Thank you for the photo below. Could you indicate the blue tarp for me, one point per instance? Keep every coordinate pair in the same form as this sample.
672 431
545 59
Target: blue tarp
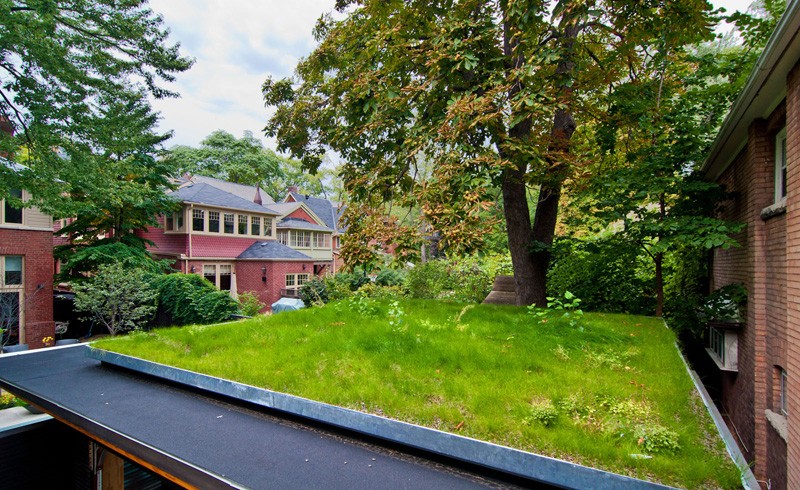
287 304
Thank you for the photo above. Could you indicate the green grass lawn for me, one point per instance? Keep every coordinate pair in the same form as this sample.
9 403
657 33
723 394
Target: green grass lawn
594 392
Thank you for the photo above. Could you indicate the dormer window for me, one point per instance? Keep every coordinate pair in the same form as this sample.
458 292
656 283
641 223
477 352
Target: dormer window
780 166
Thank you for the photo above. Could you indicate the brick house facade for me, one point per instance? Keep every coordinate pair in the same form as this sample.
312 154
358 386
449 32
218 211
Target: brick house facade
26 269
243 244
756 157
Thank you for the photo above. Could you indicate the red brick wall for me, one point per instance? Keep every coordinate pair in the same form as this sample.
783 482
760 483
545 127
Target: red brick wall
770 250
792 336
249 277
37 249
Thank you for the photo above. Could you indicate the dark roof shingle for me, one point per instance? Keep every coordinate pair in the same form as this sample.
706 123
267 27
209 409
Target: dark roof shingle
270 249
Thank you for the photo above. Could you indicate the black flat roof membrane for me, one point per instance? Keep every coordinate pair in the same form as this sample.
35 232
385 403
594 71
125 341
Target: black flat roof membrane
202 441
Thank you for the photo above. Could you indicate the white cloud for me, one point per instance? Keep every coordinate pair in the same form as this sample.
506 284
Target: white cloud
236 46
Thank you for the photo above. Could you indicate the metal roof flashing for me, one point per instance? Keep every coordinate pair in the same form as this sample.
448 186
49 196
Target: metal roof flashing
764 90
496 458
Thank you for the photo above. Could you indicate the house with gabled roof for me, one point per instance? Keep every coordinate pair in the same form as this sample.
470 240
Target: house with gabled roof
330 212
240 240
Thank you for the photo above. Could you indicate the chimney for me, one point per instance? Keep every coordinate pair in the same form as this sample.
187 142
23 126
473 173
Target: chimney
6 126
257 199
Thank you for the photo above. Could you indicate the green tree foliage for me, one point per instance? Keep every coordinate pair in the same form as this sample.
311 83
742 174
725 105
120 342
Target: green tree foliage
490 92
119 197
662 122
75 77
245 161
117 297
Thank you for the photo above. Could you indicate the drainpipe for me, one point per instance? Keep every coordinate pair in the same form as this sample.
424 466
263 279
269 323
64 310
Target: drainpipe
190 226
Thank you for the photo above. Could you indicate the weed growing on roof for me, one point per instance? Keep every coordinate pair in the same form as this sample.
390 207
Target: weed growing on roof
542 412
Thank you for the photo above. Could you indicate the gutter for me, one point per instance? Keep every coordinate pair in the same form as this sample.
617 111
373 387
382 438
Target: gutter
749 481
782 39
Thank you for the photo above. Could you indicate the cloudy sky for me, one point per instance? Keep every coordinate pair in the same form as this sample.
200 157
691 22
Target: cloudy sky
236 45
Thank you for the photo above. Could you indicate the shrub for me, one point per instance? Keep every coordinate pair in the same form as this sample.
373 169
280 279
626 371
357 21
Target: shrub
389 277
250 304
314 292
685 285
607 273
464 279
190 298
116 297
382 292
337 287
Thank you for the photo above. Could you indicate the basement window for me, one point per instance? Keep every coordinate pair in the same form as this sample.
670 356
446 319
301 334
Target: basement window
723 346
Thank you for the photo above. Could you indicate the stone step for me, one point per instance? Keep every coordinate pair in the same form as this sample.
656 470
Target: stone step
501 298
504 283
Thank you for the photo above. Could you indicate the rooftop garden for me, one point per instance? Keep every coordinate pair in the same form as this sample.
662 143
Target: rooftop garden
603 390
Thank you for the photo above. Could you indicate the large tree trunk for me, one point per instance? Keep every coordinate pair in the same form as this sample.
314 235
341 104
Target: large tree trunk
659 260
530 246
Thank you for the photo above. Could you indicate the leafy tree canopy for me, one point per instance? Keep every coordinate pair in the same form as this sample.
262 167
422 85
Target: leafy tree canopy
75 78
491 92
245 161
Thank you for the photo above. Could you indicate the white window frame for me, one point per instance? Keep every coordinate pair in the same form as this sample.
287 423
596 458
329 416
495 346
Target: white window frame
267 226
294 281
724 348
15 288
220 269
784 398
780 166
199 214
241 220
228 219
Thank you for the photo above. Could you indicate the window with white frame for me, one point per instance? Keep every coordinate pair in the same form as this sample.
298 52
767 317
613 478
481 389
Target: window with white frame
255 225
723 347
242 224
11 294
294 281
780 165
268 227
220 275
283 237
12 213
322 240
300 239
198 220
228 223
784 402
213 221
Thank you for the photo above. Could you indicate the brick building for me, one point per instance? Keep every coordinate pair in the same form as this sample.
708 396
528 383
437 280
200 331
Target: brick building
756 156
26 268
240 240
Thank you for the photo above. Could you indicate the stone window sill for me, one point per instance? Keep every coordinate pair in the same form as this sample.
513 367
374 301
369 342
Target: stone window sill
778 422
774 210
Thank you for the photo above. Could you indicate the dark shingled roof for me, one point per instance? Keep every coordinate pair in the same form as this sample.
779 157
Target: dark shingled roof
301 224
326 210
207 194
270 249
